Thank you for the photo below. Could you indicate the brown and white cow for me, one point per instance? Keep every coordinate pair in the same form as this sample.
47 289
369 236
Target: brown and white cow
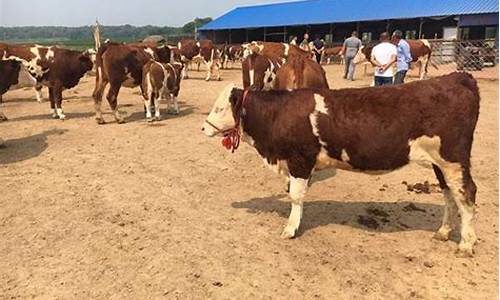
230 54
203 50
333 53
421 52
54 67
259 71
9 74
299 73
161 82
369 130
121 65
274 50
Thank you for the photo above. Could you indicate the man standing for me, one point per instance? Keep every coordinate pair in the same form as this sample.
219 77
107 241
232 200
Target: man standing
349 50
304 45
403 58
383 58
318 48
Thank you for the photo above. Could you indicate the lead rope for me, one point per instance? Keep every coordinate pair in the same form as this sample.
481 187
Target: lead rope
232 137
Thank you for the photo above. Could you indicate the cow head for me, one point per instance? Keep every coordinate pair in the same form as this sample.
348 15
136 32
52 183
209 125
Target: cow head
164 54
86 63
9 72
221 117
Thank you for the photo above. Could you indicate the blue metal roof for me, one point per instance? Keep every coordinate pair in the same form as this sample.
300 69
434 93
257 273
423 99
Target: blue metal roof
342 11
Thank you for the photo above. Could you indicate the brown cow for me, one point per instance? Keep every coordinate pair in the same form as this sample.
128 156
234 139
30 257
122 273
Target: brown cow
161 80
54 67
370 130
259 71
274 50
333 53
206 51
9 74
121 65
421 52
300 73
230 54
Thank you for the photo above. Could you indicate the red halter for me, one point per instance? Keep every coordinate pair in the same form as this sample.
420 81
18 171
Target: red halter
231 140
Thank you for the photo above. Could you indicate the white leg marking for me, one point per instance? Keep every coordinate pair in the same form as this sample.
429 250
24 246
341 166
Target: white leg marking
60 113
298 189
450 213
252 76
39 95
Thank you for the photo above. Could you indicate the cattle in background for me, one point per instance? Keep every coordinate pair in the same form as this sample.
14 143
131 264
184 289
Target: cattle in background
421 52
9 74
274 50
235 53
161 81
121 65
54 67
229 54
299 73
259 71
204 50
333 53
369 130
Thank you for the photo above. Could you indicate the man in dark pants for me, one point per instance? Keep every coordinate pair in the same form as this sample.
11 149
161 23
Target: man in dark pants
383 58
318 48
403 58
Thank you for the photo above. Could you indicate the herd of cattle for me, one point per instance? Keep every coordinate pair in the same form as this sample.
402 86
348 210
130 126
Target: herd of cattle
286 110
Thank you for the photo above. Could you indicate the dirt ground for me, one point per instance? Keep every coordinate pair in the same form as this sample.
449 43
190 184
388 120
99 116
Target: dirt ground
159 211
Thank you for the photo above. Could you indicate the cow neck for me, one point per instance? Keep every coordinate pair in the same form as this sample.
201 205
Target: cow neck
232 136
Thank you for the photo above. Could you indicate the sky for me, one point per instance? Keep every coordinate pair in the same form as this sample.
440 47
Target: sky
113 12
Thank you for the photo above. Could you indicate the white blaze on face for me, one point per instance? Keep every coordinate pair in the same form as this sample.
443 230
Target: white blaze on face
221 114
150 52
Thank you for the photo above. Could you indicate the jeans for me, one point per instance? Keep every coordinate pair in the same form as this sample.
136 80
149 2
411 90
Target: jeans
380 80
400 77
349 67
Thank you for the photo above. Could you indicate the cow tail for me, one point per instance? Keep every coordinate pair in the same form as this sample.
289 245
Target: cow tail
146 85
298 66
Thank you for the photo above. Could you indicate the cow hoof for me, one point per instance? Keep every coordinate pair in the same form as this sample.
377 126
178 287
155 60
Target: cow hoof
464 251
149 120
207 79
62 117
120 121
219 79
157 118
100 121
441 235
55 116
288 233
3 118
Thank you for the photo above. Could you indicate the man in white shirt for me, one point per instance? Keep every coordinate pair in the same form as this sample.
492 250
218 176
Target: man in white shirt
384 55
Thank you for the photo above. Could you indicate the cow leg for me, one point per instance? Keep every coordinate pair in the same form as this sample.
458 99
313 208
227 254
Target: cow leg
52 102
298 189
173 98
209 65
2 116
58 103
147 105
38 93
450 208
112 97
463 191
97 95
185 71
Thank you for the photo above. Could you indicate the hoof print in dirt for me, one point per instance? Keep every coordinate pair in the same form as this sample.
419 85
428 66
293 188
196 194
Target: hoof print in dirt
368 222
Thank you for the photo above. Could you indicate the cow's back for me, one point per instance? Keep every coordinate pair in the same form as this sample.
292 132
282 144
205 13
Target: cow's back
299 73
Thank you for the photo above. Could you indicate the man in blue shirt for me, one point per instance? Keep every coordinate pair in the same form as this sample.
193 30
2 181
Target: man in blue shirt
403 57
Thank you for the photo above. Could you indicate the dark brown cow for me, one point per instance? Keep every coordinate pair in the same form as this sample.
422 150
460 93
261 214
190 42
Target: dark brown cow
121 65
274 50
300 73
206 51
259 71
421 52
332 53
161 80
54 67
371 130
229 54
9 73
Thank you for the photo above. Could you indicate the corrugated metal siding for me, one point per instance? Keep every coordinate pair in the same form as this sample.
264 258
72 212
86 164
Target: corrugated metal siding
341 11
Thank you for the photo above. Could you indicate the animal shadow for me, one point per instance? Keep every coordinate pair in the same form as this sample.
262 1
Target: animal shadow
69 116
185 110
364 215
25 148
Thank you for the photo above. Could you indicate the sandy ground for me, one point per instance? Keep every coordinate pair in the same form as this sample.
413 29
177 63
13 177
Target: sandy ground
141 211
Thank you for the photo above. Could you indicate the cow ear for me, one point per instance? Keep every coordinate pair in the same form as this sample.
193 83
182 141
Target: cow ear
234 97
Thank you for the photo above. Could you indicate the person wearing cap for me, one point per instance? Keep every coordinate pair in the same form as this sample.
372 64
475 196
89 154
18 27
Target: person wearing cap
403 57
383 58
350 48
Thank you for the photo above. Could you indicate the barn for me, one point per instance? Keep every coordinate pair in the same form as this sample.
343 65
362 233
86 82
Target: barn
334 20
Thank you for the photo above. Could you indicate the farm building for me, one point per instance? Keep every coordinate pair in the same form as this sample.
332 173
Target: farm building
334 20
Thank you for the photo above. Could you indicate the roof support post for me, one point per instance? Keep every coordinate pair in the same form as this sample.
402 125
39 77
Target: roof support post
246 35
284 34
388 26
357 27
265 34
230 37
331 34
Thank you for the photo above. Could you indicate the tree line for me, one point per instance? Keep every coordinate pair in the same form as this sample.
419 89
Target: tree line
84 33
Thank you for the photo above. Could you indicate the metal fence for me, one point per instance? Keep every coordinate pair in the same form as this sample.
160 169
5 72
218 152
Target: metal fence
479 57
